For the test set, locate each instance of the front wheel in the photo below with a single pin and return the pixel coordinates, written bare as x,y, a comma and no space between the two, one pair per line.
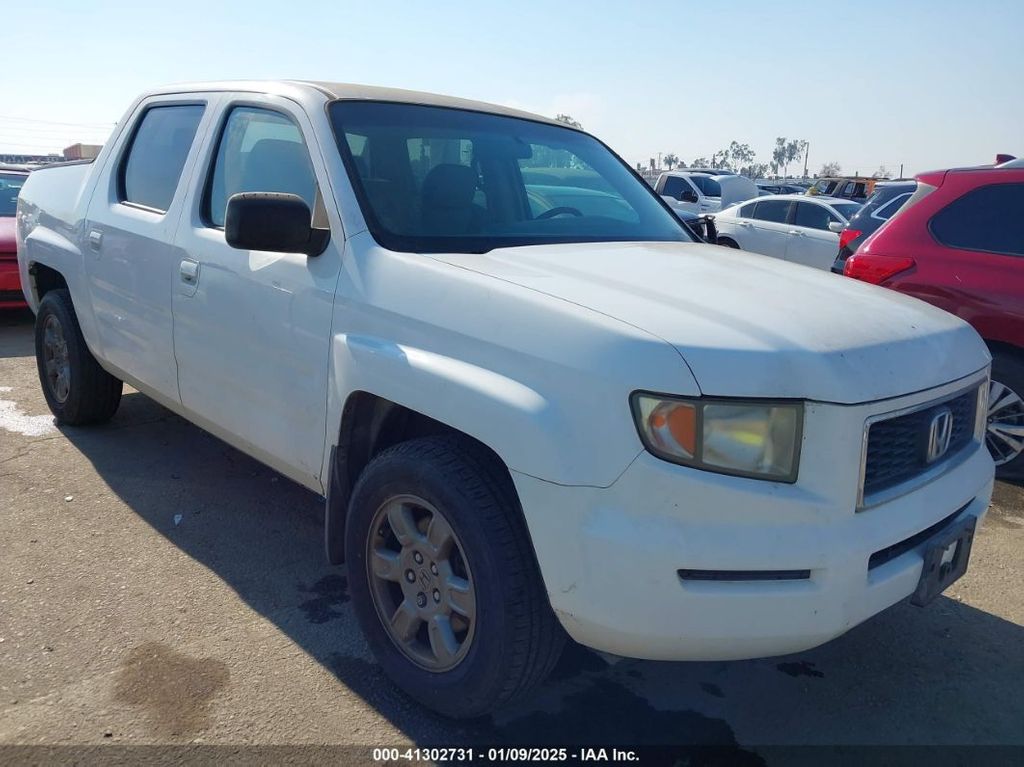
1004,434
77,390
726,242
443,577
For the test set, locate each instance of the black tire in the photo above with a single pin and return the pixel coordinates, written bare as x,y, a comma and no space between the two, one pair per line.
1008,370
92,394
726,242
517,639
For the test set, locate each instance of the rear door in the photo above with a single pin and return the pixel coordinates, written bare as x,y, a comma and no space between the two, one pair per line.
810,242
767,231
252,329
130,258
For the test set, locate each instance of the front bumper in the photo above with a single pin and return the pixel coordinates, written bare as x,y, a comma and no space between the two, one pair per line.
11,295
610,556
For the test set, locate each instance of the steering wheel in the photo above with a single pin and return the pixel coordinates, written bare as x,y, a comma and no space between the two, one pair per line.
561,210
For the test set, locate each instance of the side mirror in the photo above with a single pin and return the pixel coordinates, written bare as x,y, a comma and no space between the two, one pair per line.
688,195
272,221
836,226
710,229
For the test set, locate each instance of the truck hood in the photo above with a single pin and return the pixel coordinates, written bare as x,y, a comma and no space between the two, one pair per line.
749,325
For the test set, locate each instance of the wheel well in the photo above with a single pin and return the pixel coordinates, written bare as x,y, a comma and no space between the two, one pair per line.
730,240
370,425
46,279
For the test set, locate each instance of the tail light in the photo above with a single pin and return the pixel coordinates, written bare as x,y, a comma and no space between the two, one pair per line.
876,269
847,236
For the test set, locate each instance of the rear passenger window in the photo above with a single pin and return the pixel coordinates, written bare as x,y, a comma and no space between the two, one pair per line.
776,211
989,218
811,216
889,209
259,151
152,167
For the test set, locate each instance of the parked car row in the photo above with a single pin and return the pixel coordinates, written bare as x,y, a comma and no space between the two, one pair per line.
957,241
11,181
792,227
953,238
856,188
883,204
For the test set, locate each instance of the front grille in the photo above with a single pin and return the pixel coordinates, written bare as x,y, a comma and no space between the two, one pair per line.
897,447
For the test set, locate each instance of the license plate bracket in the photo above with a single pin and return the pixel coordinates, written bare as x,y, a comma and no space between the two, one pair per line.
945,560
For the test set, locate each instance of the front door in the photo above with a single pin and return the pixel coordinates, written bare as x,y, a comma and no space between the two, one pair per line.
769,228
252,329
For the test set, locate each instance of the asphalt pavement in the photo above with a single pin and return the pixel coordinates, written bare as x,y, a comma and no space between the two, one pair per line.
160,587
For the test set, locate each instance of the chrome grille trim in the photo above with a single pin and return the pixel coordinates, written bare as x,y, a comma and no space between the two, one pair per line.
946,464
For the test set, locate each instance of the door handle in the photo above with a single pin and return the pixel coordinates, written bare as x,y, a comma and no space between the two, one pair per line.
189,271
95,239
796,232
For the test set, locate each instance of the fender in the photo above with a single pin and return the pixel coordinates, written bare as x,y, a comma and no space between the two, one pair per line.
529,431
46,247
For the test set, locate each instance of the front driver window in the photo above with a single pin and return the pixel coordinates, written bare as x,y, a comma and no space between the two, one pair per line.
260,151
674,186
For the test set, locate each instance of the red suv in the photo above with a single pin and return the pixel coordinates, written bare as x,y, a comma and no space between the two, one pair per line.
10,284
958,243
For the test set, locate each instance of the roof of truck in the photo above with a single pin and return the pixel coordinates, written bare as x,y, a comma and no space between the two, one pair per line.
346,91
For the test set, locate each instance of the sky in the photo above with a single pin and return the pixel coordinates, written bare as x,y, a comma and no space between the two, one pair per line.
925,83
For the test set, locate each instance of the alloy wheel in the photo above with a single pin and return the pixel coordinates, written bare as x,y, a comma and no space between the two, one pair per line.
56,359
421,583
1004,434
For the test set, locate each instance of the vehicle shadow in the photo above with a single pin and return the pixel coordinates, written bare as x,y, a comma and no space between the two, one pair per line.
16,339
948,673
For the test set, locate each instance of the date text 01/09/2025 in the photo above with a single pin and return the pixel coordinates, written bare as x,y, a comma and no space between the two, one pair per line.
503,754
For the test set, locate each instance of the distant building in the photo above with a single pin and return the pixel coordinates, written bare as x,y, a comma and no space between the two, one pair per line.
82,151
73,152
29,159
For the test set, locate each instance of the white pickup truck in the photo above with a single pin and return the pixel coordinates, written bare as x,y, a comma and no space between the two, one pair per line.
701,192
534,409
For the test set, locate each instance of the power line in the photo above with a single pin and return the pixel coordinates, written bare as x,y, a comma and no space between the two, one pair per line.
51,133
56,122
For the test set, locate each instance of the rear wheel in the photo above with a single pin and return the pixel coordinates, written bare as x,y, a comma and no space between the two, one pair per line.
728,243
443,577
1004,435
77,390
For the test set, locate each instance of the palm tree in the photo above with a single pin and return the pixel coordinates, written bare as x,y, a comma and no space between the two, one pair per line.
670,159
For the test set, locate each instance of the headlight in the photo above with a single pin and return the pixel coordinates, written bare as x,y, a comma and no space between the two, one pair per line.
981,410
751,439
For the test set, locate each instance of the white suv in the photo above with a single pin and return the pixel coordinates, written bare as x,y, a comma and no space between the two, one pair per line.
533,408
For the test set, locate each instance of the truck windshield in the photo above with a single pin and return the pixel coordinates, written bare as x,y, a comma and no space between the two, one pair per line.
10,185
435,179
